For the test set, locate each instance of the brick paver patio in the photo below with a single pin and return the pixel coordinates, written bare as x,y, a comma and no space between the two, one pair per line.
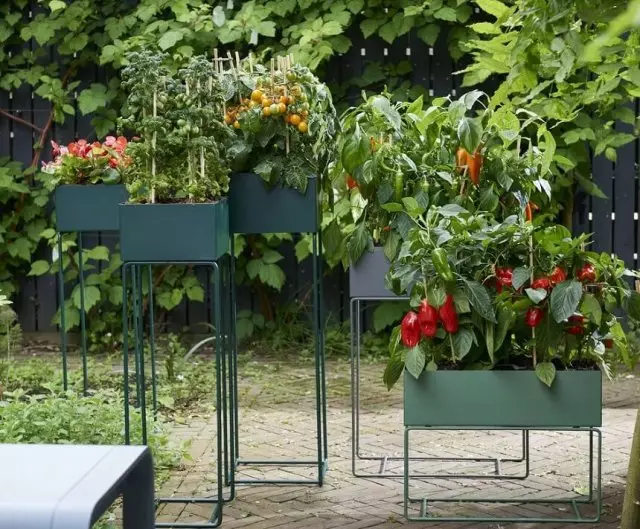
278,420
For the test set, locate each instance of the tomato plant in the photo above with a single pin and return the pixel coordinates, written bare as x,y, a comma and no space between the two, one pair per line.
284,121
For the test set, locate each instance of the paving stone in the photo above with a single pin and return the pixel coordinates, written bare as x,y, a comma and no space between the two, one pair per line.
277,420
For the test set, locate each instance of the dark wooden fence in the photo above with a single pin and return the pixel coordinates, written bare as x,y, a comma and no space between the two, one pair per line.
614,220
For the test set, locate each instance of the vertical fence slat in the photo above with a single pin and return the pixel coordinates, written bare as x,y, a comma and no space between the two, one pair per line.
624,199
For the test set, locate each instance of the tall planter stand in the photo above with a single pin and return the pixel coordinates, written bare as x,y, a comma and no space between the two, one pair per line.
505,400
81,209
367,284
180,234
255,209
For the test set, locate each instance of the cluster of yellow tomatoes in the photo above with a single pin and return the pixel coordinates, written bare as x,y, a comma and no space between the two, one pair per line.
293,108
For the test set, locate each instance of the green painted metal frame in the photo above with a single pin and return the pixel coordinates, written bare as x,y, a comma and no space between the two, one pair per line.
257,209
82,209
357,455
224,329
320,383
575,503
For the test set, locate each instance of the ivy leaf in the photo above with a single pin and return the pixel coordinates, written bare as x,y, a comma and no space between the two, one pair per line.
39,268
546,372
520,276
415,361
99,253
480,300
446,13
591,308
115,294
303,248
565,299
57,5
429,33
493,7
272,275
370,25
195,293
387,314
92,98
91,297
169,39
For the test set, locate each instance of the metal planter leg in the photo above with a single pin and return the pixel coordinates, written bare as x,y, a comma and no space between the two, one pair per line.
218,306
355,308
321,461
572,503
63,319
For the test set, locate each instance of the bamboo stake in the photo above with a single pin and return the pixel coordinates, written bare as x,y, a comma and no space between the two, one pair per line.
285,68
153,146
236,73
190,169
201,146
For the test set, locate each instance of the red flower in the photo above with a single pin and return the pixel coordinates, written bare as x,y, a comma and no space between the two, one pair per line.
410,329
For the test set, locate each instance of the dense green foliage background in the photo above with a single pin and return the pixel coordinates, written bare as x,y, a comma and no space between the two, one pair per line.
530,51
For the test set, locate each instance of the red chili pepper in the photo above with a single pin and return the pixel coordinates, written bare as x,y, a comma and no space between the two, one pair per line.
576,322
351,183
541,282
557,276
504,276
448,315
410,329
428,317
386,228
534,316
587,274
608,343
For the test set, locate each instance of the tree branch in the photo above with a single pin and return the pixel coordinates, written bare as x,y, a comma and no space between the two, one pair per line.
8,115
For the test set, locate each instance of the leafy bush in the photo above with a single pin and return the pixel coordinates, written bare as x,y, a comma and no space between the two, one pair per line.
72,418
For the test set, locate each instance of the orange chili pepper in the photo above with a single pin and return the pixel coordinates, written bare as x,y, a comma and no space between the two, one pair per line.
475,166
461,159
527,213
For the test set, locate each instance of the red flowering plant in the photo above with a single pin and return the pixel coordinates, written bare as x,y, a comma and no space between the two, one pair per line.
509,294
81,162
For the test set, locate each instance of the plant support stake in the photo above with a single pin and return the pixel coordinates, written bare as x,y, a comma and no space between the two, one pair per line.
153,145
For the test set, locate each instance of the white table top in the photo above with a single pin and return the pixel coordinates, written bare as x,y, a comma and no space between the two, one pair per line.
42,484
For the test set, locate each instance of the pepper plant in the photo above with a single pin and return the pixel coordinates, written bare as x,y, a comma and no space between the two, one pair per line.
506,294
403,156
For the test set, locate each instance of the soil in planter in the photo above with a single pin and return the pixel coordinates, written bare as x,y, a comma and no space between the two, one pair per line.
521,364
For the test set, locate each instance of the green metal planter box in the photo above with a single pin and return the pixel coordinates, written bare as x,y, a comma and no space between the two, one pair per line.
188,233
256,208
503,399
82,208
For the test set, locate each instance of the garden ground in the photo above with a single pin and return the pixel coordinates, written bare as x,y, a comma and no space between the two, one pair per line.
277,420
